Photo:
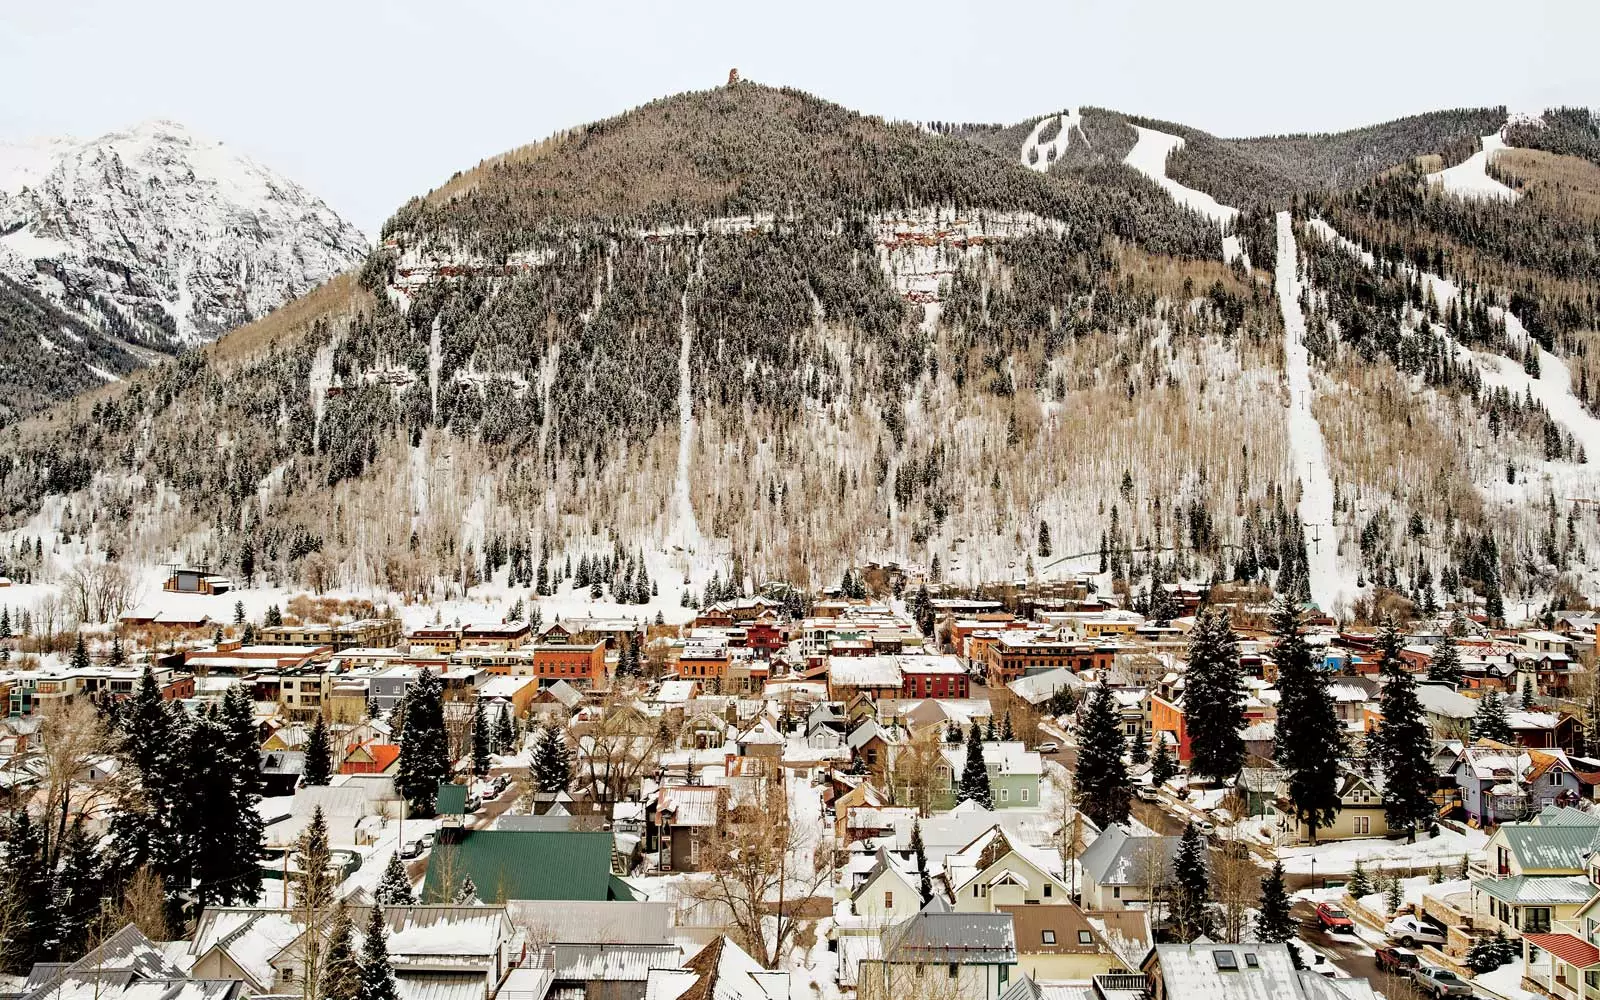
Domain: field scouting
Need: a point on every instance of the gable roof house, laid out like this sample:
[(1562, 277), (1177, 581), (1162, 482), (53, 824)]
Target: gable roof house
[(1538, 872), (977, 952), (1120, 869), (891, 889), (996, 870), (1205, 969), (525, 864), (719, 971), (1360, 810), (1060, 943), (1015, 772), (124, 966)]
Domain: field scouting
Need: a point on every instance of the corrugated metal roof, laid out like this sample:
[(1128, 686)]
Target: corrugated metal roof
[(1550, 847), (943, 936), (612, 962), (440, 985), (1548, 889)]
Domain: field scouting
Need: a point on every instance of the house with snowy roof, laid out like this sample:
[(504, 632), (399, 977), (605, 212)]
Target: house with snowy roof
[(997, 869), (1208, 970), (125, 966), (719, 971), (1015, 772), (1500, 783), (891, 889), (1121, 869), (1360, 810), (976, 952)]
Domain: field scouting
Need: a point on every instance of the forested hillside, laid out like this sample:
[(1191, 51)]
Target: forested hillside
[(755, 333)]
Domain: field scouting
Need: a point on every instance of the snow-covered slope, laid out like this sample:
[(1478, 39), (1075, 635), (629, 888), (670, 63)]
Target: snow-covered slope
[(1470, 178), (161, 237), (1149, 157), (1041, 155), (1330, 583)]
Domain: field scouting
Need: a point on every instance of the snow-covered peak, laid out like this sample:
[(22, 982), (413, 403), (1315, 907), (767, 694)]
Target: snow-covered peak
[(202, 236)]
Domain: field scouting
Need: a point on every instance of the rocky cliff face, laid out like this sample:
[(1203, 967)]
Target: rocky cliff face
[(159, 237)]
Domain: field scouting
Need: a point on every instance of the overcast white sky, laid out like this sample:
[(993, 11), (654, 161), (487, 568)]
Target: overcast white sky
[(367, 102)]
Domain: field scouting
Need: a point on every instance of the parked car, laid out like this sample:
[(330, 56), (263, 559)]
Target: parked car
[(428, 838), (501, 783), (411, 849), (1440, 983), (1205, 826), (1050, 746), (1333, 918), (1410, 931), (1146, 793), (1398, 960)]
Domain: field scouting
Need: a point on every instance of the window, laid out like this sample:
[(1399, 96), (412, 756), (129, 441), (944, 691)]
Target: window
[(955, 970), (1049, 937), (1362, 825), (1251, 960), (888, 901), (1005, 794), (1084, 937), (1047, 890), (1024, 795), (1536, 920), (1226, 961), (1116, 892)]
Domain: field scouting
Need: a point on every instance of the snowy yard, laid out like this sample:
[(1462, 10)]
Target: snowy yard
[(1339, 857)]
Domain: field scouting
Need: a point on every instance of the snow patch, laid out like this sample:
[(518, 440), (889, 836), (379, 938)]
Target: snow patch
[(1149, 156), (1041, 156), (1470, 178)]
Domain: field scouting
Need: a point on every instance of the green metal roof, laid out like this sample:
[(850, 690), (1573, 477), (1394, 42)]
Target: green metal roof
[(1541, 890), (1550, 847), (525, 864), (451, 801)]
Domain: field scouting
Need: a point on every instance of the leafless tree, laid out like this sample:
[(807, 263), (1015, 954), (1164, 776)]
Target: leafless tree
[(917, 771), (621, 746), (144, 904), (761, 868), (71, 736), (1236, 886)]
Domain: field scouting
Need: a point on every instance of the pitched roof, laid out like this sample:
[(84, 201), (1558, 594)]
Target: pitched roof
[(1550, 847), (1569, 948), (1112, 858), (1204, 970), (1539, 889), (527, 864), (941, 936)]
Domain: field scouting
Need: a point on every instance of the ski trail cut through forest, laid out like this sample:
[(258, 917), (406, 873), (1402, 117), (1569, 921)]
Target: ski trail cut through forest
[(1049, 152), (1149, 156), (435, 363), (1552, 389), (1470, 178), (1307, 451), (688, 531)]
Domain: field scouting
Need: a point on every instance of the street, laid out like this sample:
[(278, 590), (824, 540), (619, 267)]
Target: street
[(1352, 955)]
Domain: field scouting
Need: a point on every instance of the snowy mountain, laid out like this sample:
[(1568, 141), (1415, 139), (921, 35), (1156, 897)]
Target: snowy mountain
[(157, 239), (748, 331)]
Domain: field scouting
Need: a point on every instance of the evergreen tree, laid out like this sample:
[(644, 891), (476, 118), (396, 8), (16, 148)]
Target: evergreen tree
[(1394, 895), (341, 972), (238, 612), (1044, 539), (80, 654), (312, 881), (480, 741), (1162, 766), (26, 893), (80, 887), (319, 755), (991, 734), (1213, 697), (377, 976), (552, 761), (920, 852), (394, 889), (505, 737), (273, 618), (975, 775), (1310, 736), (1274, 924), (118, 658), (241, 830), (424, 752), (1140, 752), (1191, 915), (1359, 884), (1102, 777), (1404, 746), (143, 825), (467, 894), (1007, 733), (1491, 721), (1528, 696), (1445, 666)]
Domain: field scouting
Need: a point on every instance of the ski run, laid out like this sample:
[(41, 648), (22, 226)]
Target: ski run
[(1149, 156)]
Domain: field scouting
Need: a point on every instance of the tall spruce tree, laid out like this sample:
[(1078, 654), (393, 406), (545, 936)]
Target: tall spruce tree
[(1102, 776), (377, 975), (424, 751), (1445, 666), (319, 755), (552, 761), (1191, 890), (1403, 743), (243, 834), (1274, 923), (394, 888), (480, 741), (1491, 721), (1162, 766), (505, 736), (1310, 738), (80, 887), (1213, 697), (975, 775), (920, 852), (26, 892), (341, 970)]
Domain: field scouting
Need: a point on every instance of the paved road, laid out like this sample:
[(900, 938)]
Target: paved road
[(1352, 955)]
